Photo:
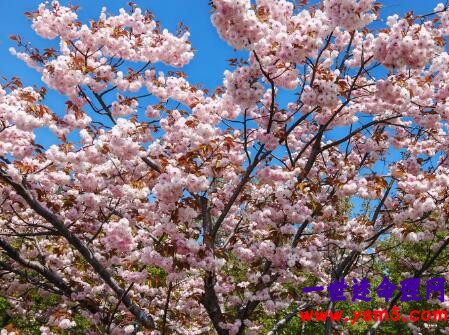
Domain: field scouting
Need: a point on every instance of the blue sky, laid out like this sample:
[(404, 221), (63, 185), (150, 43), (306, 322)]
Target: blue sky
[(206, 68), (210, 60)]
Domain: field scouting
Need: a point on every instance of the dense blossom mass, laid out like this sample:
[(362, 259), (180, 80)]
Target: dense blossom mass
[(167, 208)]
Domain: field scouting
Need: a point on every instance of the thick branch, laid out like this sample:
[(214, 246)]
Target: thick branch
[(210, 303), (141, 316), (51, 276)]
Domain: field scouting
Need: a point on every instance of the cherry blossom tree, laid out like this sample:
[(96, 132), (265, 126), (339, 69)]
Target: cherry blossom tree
[(165, 208)]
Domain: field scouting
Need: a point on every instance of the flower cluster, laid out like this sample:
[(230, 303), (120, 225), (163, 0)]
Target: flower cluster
[(118, 236), (405, 44), (349, 14)]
